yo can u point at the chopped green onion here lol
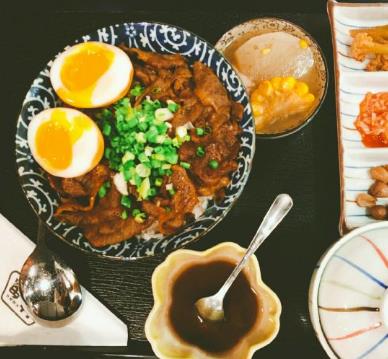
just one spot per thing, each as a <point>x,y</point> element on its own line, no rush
<point>143,157</point>
<point>126,201</point>
<point>199,131</point>
<point>143,126</point>
<point>124,214</point>
<point>132,122</point>
<point>171,191</point>
<point>172,158</point>
<point>137,90</point>
<point>135,212</point>
<point>103,189</point>
<point>172,106</point>
<point>213,164</point>
<point>168,209</point>
<point>156,90</point>
<point>175,142</point>
<point>185,165</point>
<point>152,192</point>
<point>107,129</point>
<point>142,170</point>
<point>144,188</point>
<point>140,137</point>
<point>148,151</point>
<point>138,144</point>
<point>155,163</point>
<point>181,131</point>
<point>163,114</point>
<point>200,151</point>
<point>159,157</point>
<point>140,217</point>
<point>107,153</point>
<point>128,156</point>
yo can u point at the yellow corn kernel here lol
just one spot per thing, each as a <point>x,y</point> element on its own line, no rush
<point>265,88</point>
<point>303,44</point>
<point>257,109</point>
<point>276,81</point>
<point>309,98</point>
<point>288,83</point>
<point>266,50</point>
<point>257,97</point>
<point>301,88</point>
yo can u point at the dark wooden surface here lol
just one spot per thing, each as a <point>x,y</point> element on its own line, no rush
<point>304,165</point>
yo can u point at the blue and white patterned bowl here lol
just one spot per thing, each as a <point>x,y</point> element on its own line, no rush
<point>161,38</point>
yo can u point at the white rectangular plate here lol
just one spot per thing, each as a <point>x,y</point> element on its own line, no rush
<point>352,84</point>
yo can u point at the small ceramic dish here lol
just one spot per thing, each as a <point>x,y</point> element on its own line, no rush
<point>352,84</point>
<point>348,297</point>
<point>168,344</point>
<point>246,30</point>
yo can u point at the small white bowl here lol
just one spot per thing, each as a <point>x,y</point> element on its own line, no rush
<point>348,298</point>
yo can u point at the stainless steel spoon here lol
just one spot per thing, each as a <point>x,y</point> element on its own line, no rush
<point>211,308</point>
<point>48,286</point>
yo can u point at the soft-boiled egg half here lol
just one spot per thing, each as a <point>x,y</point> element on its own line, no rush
<point>65,142</point>
<point>91,74</point>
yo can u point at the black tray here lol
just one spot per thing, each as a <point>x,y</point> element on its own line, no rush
<point>305,165</point>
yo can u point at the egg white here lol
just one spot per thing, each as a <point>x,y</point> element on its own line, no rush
<point>84,150</point>
<point>110,87</point>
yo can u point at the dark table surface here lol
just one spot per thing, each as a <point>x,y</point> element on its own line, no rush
<point>304,165</point>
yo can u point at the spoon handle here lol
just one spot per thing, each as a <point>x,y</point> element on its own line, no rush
<point>279,208</point>
<point>41,236</point>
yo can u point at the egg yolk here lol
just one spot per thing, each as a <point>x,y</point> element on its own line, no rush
<point>82,69</point>
<point>55,138</point>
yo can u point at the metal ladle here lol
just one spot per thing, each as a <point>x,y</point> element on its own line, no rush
<point>211,308</point>
<point>48,286</point>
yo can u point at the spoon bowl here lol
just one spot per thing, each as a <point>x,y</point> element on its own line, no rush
<point>48,286</point>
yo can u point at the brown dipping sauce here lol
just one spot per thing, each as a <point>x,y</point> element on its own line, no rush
<point>241,307</point>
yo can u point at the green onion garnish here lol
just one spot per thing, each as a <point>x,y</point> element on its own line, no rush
<point>124,214</point>
<point>138,142</point>
<point>200,151</point>
<point>106,129</point>
<point>213,164</point>
<point>172,106</point>
<point>135,212</point>
<point>103,189</point>
<point>199,131</point>
<point>126,201</point>
<point>185,165</point>
<point>137,90</point>
<point>158,182</point>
